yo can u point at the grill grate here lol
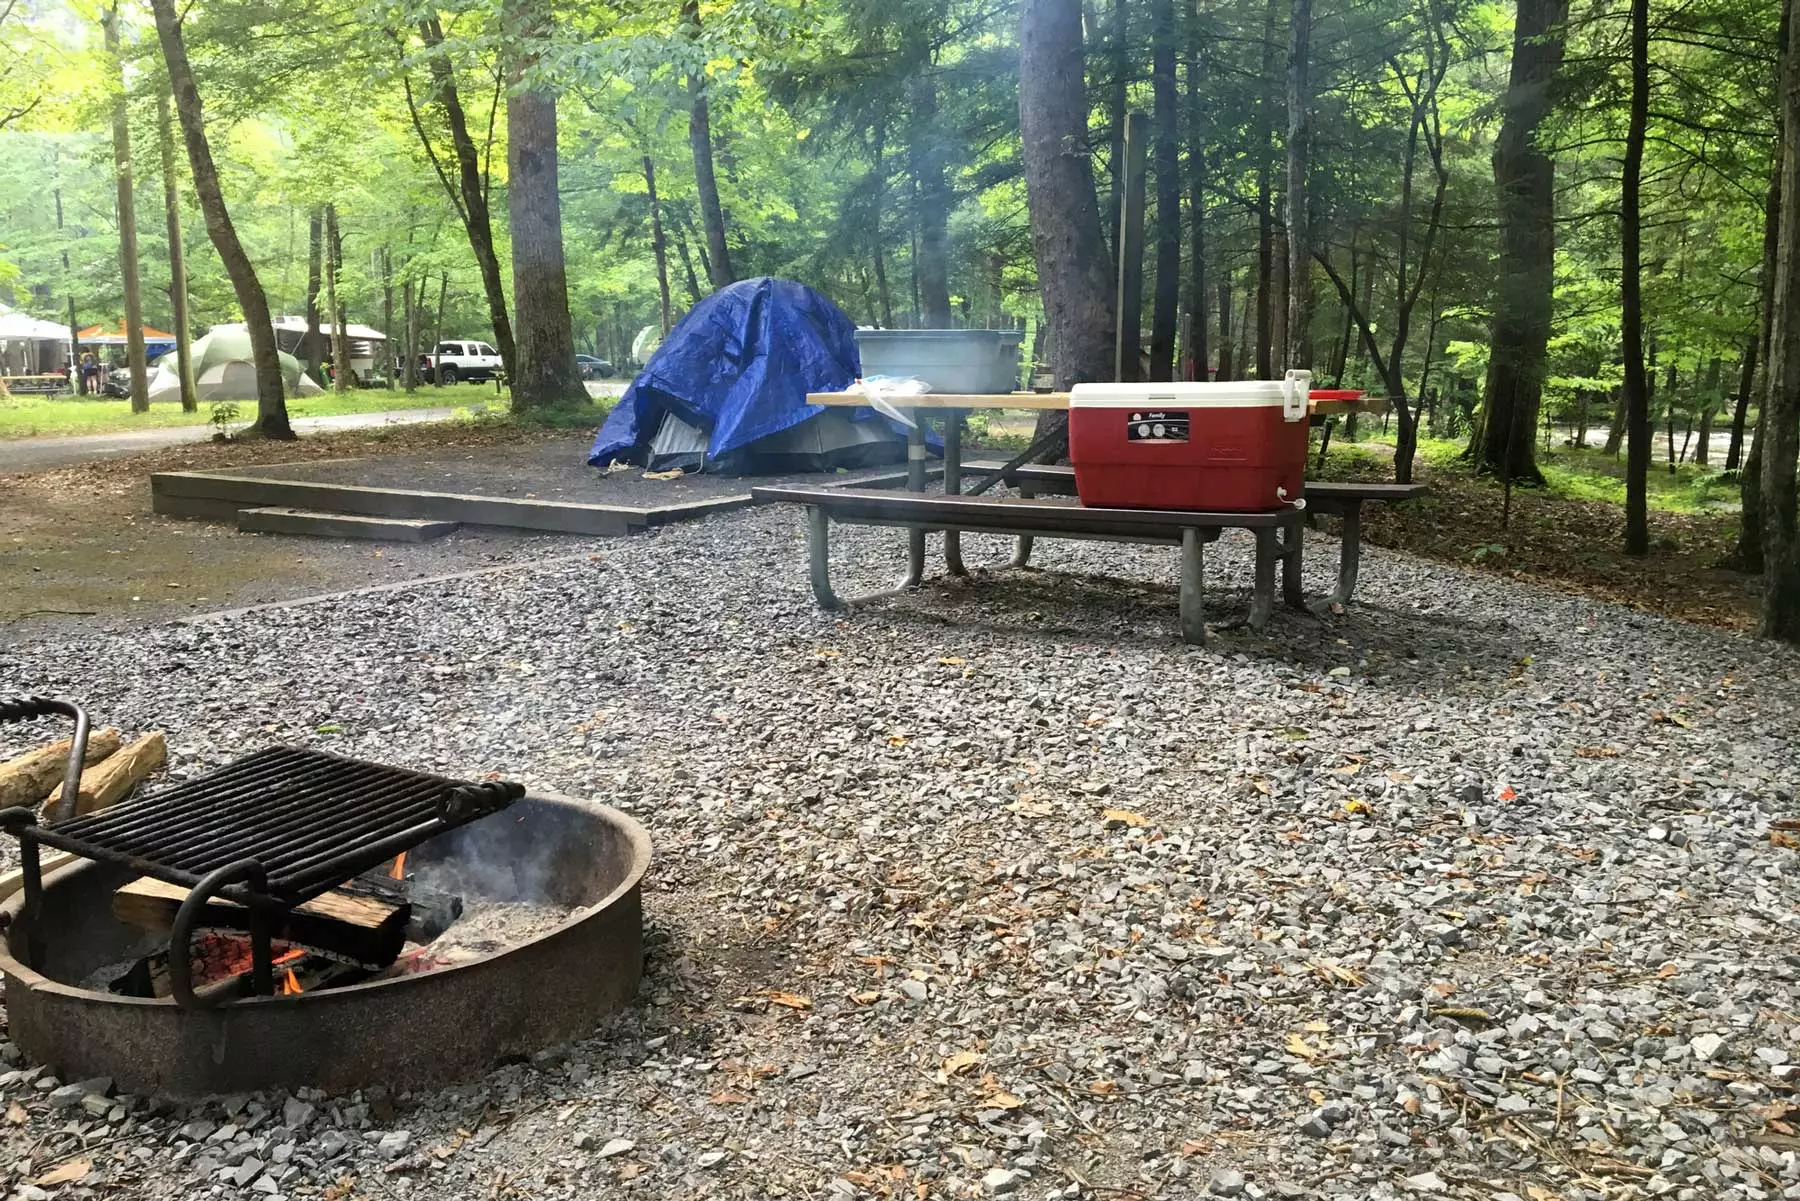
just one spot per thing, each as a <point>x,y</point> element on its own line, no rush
<point>311,819</point>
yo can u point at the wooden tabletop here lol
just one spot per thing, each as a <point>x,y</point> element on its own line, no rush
<point>1047,400</point>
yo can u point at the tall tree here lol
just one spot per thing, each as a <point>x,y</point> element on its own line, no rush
<point>1196,114</point>
<point>1524,179</point>
<point>1299,137</point>
<point>1266,299</point>
<point>545,375</point>
<point>1165,309</point>
<point>334,269</point>
<point>127,212</point>
<point>712,212</point>
<point>1631,295</point>
<point>659,245</point>
<point>1748,556</point>
<point>1059,185</point>
<point>468,191</point>
<point>1781,395</point>
<point>315,274</point>
<point>178,285</point>
<point>1118,82</point>
<point>271,402</point>
<point>932,210</point>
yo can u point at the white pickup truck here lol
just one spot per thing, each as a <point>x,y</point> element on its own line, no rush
<point>454,361</point>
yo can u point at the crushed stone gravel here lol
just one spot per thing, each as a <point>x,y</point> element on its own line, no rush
<point>999,889</point>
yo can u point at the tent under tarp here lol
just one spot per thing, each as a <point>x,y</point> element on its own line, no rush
<point>726,390</point>
<point>225,370</point>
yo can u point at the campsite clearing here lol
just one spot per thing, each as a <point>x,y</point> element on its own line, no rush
<point>56,416</point>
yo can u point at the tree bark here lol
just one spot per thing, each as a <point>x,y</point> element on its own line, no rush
<point>1709,401</point>
<point>334,266</point>
<point>271,403</point>
<point>712,213</point>
<point>468,192</point>
<point>1197,294</point>
<point>178,288</point>
<point>546,375</point>
<point>1265,212</point>
<point>127,214</point>
<point>932,212</point>
<point>1749,555</point>
<point>1780,438</point>
<point>1524,178</point>
<point>409,349</point>
<point>658,243</point>
<point>1631,315</point>
<point>877,206</point>
<point>1059,182</point>
<point>1165,306</point>
<point>1225,363</point>
<point>687,265</point>
<point>313,352</point>
<point>387,316</point>
<point>1299,135</point>
<point>1118,53</point>
<point>1734,453</point>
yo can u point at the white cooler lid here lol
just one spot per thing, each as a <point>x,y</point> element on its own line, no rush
<point>1289,394</point>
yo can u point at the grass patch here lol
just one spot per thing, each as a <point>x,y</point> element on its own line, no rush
<point>60,416</point>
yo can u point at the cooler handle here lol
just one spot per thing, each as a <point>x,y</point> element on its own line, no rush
<point>1296,387</point>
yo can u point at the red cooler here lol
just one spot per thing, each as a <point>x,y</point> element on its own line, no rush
<point>1237,447</point>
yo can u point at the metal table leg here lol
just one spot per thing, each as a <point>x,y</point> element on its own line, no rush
<point>1023,544</point>
<point>1262,599</point>
<point>818,561</point>
<point>915,482</point>
<point>1349,556</point>
<point>1293,593</point>
<point>1192,596</point>
<point>953,425</point>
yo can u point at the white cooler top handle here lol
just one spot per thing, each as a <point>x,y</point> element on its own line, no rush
<point>1295,387</point>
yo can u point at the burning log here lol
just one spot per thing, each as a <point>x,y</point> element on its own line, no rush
<point>25,780</point>
<point>368,929</point>
<point>216,956</point>
<point>119,774</point>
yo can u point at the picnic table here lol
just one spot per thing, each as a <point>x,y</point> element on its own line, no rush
<point>34,385</point>
<point>1279,535</point>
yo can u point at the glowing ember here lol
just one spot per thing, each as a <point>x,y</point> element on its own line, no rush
<point>290,987</point>
<point>398,871</point>
<point>289,957</point>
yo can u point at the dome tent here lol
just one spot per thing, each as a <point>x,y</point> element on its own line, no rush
<point>224,370</point>
<point>726,390</point>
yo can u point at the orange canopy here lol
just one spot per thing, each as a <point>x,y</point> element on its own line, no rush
<point>101,335</point>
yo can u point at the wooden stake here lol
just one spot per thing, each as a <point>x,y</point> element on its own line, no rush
<point>25,780</point>
<point>112,780</point>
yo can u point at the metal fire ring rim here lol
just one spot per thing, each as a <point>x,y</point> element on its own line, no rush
<point>635,836</point>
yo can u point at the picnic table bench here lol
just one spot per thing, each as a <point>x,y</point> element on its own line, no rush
<point>34,385</point>
<point>1343,500</point>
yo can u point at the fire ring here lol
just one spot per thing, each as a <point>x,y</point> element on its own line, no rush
<point>412,1031</point>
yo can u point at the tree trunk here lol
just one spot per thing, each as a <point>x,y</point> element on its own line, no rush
<point>687,266</point>
<point>409,350</point>
<point>546,375</point>
<point>1669,414</point>
<point>1197,293</point>
<point>334,267</point>
<point>1734,453</point>
<point>1749,555</point>
<point>1224,374</point>
<point>1709,401</point>
<point>1165,307</point>
<point>1128,334</point>
<point>1118,52</point>
<point>712,213</point>
<point>468,193</point>
<point>1525,179</point>
<point>387,316</point>
<point>1265,212</point>
<point>313,352</point>
<point>178,289</point>
<point>658,243</point>
<point>1780,439</point>
<point>1299,246</point>
<point>1631,315</point>
<point>127,213</point>
<point>877,203</point>
<point>933,210</point>
<point>437,326</point>
<point>1065,213</point>
<point>271,404</point>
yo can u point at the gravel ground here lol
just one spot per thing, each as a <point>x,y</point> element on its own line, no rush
<point>999,889</point>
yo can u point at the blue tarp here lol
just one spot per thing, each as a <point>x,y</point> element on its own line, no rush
<point>738,366</point>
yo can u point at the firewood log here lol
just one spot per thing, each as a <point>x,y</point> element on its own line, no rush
<point>25,780</point>
<point>114,779</point>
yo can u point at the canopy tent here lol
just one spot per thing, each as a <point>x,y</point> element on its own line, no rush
<point>156,342</point>
<point>224,370</point>
<point>726,390</point>
<point>29,346</point>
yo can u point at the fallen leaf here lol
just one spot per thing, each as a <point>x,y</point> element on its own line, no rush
<point>1400,777</point>
<point>631,1171</point>
<point>825,652</point>
<point>728,1097</point>
<point>962,1061</point>
<point>1317,1027</point>
<point>1001,1100</point>
<point>1507,794</point>
<point>1671,719</point>
<point>65,1173</point>
<point>865,998</point>
<point>1782,838</point>
<point>786,1000</point>
<point>1299,1046</point>
<point>1597,752</point>
<point>952,661</point>
<point>1356,805</point>
<point>1349,769</point>
<point>15,1113</point>
<point>1134,820</point>
<point>1668,971</point>
<point>1104,1087</point>
<point>1262,786</point>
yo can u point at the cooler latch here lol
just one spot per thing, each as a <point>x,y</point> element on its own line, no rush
<point>1296,388</point>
